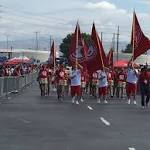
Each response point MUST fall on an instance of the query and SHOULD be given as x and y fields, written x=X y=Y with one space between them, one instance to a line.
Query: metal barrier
x=14 y=84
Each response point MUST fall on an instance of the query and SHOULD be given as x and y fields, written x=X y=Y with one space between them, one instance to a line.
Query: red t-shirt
x=122 y=77
x=144 y=77
x=43 y=73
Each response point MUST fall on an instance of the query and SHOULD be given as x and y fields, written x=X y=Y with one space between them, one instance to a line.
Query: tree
x=128 y=49
x=64 y=46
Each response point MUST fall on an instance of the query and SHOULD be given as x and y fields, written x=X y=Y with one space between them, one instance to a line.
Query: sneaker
x=105 y=102
x=128 y=101
x=134 y=102
x=73 y=100
x=99 y=101
x=82 y=100
x=77 y=102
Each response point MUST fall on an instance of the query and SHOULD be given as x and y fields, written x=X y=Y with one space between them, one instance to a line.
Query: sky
x=20 y=19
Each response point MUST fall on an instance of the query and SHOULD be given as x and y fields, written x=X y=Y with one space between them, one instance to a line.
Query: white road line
x=105 y=121
x=25 y=121
x=131 y=148
x=89 y=107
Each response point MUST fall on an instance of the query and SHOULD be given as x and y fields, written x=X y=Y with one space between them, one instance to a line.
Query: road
x=29 y=122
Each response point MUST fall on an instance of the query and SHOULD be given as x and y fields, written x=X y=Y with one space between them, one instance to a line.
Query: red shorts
x=131 y=88
x=102 y=91
x=75 y=90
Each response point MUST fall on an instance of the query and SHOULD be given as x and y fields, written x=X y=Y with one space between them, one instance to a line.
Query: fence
x=14 y=84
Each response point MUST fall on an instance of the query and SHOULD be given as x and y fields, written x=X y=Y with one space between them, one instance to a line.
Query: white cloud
x=145 y=2
x=100 y=5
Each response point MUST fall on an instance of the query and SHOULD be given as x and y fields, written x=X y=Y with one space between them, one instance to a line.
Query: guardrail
x=14 y=84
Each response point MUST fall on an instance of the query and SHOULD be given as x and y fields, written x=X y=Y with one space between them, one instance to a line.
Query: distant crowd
x=103 y=84
x=16 y=70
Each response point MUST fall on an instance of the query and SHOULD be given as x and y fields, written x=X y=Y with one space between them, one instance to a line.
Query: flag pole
x=77 y=44
x=133 y=38
x=54 y=58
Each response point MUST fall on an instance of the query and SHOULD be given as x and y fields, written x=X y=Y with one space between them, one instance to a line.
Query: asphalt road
x=29 y=122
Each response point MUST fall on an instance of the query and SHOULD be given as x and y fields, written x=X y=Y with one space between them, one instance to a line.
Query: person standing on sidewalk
x=144 y=82
x=131 y=83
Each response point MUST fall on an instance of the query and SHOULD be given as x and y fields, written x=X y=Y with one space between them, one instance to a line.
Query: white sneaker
x=98 y=101
x=134 y=102
x=129 y=101
x=105 y=102
x=73 y=100
x=77 y=102
x=82 y=100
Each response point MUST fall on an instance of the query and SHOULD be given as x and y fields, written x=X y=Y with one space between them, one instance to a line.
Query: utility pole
x=102 y=37
x=118 y=33
x=7 y=42
x=50 y=43
x=113 y=42
x=36 y=41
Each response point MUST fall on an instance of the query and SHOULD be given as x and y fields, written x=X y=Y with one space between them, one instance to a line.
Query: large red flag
x=110 y=58
x=52 y=58
x=78 y=49
x=139 y=41
x=96 y=55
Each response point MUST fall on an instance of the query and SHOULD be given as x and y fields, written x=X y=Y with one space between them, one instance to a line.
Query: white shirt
x=75 y=78
x=131 y=76
x=102 y=79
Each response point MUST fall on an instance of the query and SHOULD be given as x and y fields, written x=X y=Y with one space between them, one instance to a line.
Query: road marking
x=105 y=121
x=131 y=148
x=89 y=107
x=25 y=121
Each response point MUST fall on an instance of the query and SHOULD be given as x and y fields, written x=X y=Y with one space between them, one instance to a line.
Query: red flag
x=77 y=50
x=52 y=58
x=96 y=55
x=139 y=41
x=110 y=58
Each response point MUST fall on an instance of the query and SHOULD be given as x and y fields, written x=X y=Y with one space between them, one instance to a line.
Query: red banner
x=52 y=58
x=96 y=55
x=77 y=50
x=110 y=58
x=139 y=41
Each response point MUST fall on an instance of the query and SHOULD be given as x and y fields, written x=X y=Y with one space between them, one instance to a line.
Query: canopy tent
x=18 y=60
x=123 y=64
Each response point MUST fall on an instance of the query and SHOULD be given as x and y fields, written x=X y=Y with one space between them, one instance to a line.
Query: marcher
x=144 y=82
x=110 y=82
x=43 y=80
x=121 y=83
x=131 y=83
x=60 y=78
x=76 y=83
x=103 y=85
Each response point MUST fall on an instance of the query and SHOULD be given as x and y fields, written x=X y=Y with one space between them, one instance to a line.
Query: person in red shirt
x=144 y=82
x=94 y=84
x=83 y=83
x=110 y=82
x=121 y=83
x=43 y=80
x=60 y=78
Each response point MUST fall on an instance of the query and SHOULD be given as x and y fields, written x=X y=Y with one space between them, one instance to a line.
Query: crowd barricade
x=13 y=84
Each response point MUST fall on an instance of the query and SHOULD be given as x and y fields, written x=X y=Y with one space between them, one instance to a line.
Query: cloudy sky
x=22 y=18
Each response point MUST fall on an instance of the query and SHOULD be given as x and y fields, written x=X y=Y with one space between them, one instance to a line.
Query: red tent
x=18 y=60
x=123 y=64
